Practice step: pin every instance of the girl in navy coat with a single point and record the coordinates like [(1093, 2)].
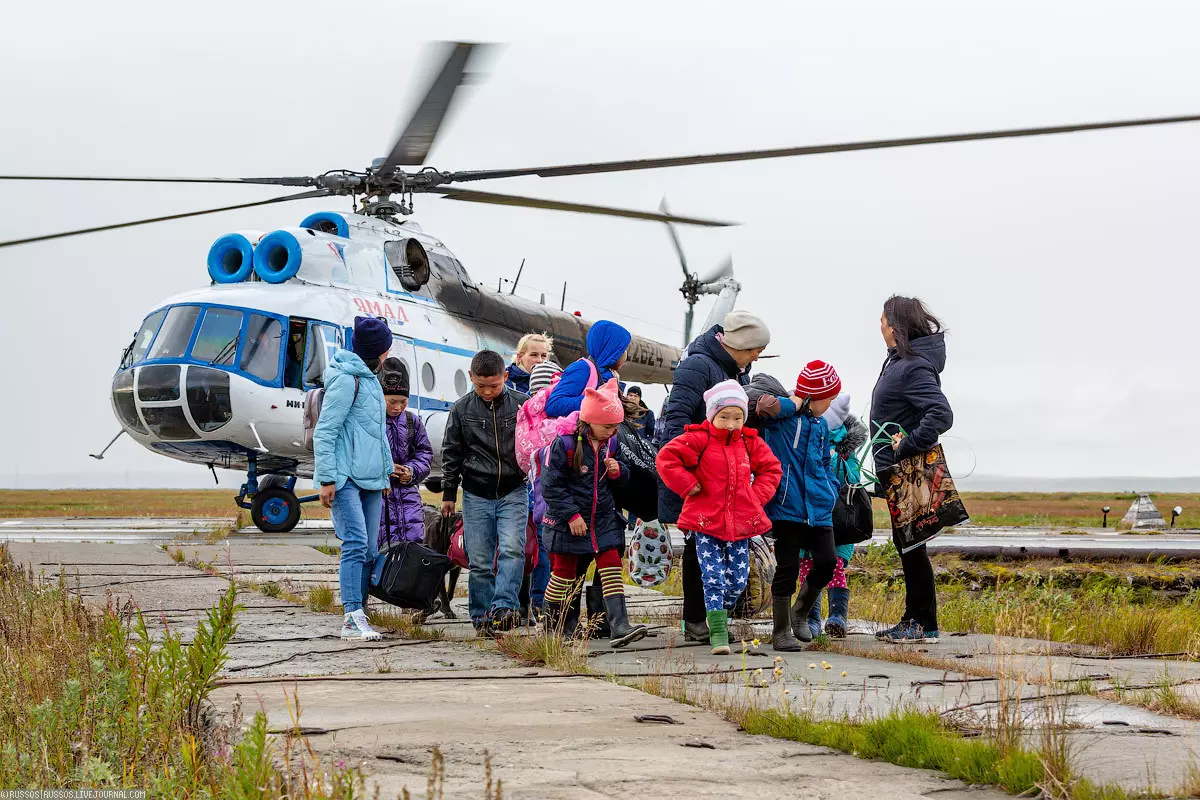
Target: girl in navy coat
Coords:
[(581, 521)]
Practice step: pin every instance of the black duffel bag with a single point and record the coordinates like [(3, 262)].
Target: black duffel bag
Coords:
[(852, 521), (409, 575)]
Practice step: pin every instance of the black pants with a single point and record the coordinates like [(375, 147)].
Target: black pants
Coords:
[(920, 594), (790, 539), (693, 587)]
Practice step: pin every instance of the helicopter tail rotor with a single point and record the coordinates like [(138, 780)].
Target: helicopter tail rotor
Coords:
[(719, 281)]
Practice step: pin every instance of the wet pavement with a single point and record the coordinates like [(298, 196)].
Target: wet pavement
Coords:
[(555, 735)]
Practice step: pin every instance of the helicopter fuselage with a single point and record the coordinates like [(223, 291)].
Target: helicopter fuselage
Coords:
[(218, 376)]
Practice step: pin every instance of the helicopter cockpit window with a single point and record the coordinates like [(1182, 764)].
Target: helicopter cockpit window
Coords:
[(260, 353), (141, 342), (217, 341), (175, 333)]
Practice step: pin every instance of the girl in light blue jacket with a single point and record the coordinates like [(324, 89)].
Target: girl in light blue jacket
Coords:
[(353, 462)]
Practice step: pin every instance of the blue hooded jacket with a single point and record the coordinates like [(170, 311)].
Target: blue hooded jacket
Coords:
[(808, 491), (516, 378), (350, 441), (606, 343)]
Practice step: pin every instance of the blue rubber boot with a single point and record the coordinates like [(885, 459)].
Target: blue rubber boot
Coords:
[(814, 618), (839, 609)]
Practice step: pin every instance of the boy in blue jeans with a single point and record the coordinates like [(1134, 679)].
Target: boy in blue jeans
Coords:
[(479, 452)]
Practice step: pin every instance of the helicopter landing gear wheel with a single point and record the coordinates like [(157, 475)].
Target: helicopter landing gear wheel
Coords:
[(275, 510)]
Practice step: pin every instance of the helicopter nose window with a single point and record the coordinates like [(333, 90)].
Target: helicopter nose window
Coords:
[(208, 398), (168, 423), (122, 395), (175, 333), (159, 382), (260, 354), (217, 341)]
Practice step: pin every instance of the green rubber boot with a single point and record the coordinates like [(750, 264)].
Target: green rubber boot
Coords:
[(718, 632)]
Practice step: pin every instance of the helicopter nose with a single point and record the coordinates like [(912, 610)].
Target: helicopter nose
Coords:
[(172, 402)]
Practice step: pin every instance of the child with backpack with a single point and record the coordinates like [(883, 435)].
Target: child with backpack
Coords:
[(726, 475), (802, 509), (403, 510), (581, 523), (846, 435)]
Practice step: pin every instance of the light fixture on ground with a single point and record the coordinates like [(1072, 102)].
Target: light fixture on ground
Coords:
[(1104, 523), (1175, 512)]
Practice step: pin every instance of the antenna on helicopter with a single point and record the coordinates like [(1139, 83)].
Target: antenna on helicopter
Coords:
[(562, 306), (100, 455), (517, 280)]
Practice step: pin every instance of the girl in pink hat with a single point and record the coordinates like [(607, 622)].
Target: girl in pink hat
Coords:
[(582, 523)]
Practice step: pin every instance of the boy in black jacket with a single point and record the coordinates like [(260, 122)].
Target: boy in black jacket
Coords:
[(479, 452)]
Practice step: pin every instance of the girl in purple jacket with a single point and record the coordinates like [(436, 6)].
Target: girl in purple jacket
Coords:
[(403, 518)]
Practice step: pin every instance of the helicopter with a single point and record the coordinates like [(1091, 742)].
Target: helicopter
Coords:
[(217, 376)]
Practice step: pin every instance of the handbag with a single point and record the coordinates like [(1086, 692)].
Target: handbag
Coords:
[(921, 498), (409, 575), (852, 519), (457, 551)]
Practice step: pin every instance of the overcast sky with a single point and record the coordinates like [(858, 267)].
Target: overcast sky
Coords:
[(1064, 267)]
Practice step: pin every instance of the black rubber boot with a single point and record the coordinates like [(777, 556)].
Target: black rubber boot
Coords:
[(801, 609), (781, 632), (572, 629), (618, 619), (595, 609), (695, 631), (552, 618), (839, 608)]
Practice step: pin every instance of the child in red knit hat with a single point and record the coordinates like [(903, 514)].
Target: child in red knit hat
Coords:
[(581, 521), (802, 510)]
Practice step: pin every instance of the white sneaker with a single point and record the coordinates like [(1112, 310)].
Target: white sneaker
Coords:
[(355, 627)]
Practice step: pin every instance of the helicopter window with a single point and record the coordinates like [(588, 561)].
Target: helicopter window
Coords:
[(159, 383), (217, 341), (208, 398), (168, 422), (460, 383), (428, 378), (175, 333), (260, 353), (122, 395), (323, 342), (141, 342)]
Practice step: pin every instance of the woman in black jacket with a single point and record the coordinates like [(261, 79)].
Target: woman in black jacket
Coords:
[(909, 395)]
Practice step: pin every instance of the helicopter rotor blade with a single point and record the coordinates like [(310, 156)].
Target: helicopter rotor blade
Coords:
[(675, 240), (722, 270), (785, 152), (292, 181), (415, 142), (472, 196), (98, 228)]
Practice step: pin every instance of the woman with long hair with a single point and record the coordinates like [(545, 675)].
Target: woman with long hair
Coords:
[(908, 406)]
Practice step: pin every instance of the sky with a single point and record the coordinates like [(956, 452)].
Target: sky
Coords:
[(1064, 267)]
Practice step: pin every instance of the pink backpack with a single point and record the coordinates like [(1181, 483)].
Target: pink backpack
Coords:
[(535, 430)]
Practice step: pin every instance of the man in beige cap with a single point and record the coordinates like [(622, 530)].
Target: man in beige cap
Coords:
[(722, 352)]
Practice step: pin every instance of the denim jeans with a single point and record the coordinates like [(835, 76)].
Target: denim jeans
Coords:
[(494, 535), (355, 515)]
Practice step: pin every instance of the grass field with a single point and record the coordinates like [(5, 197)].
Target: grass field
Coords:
[(1068, 510)]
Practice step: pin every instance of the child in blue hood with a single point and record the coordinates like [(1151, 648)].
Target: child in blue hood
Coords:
[(607, 344)]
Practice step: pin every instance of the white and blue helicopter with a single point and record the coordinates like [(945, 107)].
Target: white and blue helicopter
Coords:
[(218, 376)]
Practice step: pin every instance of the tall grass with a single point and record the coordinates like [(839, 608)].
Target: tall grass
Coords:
[(89, 699), (1121, 619)]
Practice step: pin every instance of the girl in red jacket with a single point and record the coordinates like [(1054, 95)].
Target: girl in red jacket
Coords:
[(725, 474)]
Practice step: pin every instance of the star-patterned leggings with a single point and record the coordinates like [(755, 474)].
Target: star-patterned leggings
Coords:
[(724, 571)]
